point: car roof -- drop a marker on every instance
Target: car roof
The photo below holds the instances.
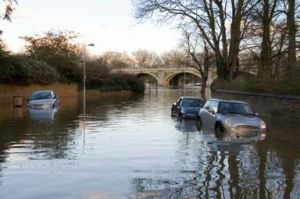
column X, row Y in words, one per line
column 42, row 91
column 230, row 101
column 190, row 97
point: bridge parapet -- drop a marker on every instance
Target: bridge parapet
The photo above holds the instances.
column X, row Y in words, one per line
column 162, row 75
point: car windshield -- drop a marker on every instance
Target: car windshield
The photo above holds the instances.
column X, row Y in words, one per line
column 190, row 102
column 40, row 95
column 235, row 108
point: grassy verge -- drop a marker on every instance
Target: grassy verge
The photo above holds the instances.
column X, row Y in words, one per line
column 7, row 91
column 251, row 84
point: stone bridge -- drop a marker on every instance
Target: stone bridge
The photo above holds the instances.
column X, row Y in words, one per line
column 162, row 76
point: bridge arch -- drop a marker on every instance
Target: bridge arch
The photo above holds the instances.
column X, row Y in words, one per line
column 148, row 76
column 162, row 75
column 171, row 76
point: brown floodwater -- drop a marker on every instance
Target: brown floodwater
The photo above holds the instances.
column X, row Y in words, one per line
column 128, row 146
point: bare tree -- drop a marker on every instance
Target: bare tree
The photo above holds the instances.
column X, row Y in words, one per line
column 209, row 17
column 292, row 38
column 269, row 34
column 201, row 56
column 117, row 59
column 279, row 48
column 146, row 58
column 268, row 12
column 173, row 58
column 8, row 10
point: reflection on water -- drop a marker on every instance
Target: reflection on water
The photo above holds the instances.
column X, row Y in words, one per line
column 46, row 115
column 131, row 148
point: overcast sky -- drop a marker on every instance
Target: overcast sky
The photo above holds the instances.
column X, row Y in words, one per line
column 110, row 24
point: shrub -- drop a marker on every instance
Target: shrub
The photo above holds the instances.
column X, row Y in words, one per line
column 24, row 70
column 58, row 50
column 117, row 82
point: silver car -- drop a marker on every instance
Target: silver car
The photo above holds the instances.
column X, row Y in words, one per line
column 42, row 115
column 43, row 99
column 229, row 115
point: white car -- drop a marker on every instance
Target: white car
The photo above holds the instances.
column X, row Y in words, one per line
column 43, row 99
column 229, row 115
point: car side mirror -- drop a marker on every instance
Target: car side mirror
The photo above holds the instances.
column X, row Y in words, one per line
column 211, row 110
column 54, row 97
column 256, row 114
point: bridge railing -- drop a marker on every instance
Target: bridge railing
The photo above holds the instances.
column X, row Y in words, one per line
column 157, row 69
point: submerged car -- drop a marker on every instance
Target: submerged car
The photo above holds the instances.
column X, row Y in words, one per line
column 187, row 107
column 42, row 114
column 229, row 115
column 43, row 99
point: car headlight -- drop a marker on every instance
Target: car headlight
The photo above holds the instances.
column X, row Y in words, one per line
column 263, row 125
column 229, row 123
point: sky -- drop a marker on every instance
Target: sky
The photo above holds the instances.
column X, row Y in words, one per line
column 109, row 24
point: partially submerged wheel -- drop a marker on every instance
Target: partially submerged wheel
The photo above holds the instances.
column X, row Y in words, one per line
column 219, row 130
column 180, row 116
column 199, row 123
column 172, row 114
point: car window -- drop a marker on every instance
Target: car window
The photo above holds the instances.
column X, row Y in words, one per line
column 237, row 108
column 178, row 102
column 211, row 104
column 224, row 107
column 207, row 104
column 190, row 102
column 40, row 95
column 214, row 105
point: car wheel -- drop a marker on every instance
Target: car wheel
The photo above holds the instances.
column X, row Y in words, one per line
column 219, row 130
column 199, row 123
column 180, row 116
column 172, row 113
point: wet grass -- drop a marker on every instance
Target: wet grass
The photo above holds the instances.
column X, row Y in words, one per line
column 251, row 84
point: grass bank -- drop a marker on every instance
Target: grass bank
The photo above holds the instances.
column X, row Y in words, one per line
column 250, row 83
column 7, row 91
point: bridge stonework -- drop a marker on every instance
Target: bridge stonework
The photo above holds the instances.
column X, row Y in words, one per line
column 162, row 75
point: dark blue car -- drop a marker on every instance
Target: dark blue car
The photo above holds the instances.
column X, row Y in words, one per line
column 187, row 107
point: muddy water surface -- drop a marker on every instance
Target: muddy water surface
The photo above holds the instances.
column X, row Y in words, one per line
column 129, row 147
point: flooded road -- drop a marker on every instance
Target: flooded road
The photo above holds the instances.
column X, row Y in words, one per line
column 129, row 147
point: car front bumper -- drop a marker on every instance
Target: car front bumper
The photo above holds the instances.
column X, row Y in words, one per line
column 40, row 106
column 189, row 116
column 245, row 129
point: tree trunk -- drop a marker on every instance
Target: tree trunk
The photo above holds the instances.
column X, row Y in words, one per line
column 222, row 71
column 279, row 56
column 292, row 38
column 264, row 70
column 233, row 59
column 203, row 84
